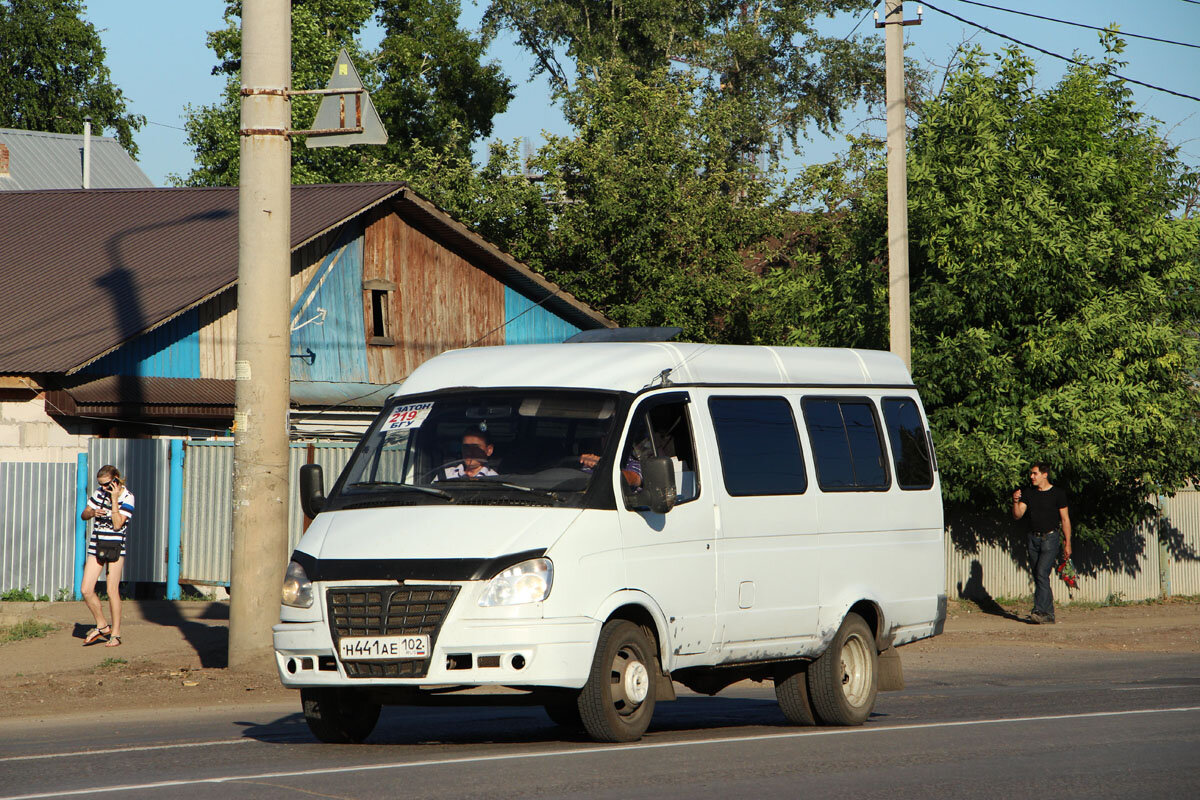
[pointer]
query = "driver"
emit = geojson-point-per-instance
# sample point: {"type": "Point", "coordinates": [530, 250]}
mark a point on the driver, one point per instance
{"type": "Point", "coordinates": [476, 449]}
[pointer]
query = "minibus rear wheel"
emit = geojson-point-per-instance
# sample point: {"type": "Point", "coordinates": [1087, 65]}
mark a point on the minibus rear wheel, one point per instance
{"type": "Point", "coordinates": [791, 690]}
{"type": "Point", "coordinates": [339, 716]}
{"type": "Point", "coordinates": [617, 701]}
{"type": "Point", "coordinates": [843, 682]}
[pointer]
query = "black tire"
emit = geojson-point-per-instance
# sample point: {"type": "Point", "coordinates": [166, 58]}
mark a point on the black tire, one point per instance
{"type": "Point", "coordinates": [791, 690]}
{"type": "Point", "coordinates": [563, 710]}
{"type": "Point", "coordinates": [339, 716]}
{"type": "Point", "coordinates": [843, 682]}
{"type": "Point", "coordinates": [617, 701]}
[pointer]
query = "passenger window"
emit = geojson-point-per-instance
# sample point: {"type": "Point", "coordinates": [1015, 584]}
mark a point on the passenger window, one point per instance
{"type": "Point", "coordinates": [846, 445]}
{"type": "Point", "coordinates": [659, 429]}
{"type": "Point", "coordinates": [909, 443]}
{"type": "Point", "coordinates": [759, 446]}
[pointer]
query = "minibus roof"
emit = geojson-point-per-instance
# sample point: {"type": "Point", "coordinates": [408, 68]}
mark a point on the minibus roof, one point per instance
{"type": "Point", "coordinates": [633, 366]}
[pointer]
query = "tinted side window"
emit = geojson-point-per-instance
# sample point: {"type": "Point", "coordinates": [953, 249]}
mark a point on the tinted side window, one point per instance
{"type": "Point", "coordinates": [831, 450]}
{"type": "Point", "coordinates": [759, 446]}
{"type": "Point", "coordinates": [910, 446]}
{"type": "Point", "coordinates": [846, 444]}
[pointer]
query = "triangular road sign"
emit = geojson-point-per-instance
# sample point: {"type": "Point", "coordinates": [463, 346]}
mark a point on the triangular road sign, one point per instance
{"type": "Point", "coordinates": [338, 110]}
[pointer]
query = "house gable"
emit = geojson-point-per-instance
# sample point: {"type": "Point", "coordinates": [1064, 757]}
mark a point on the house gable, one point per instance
{"type": "Point", "coordinates": [371, 301]}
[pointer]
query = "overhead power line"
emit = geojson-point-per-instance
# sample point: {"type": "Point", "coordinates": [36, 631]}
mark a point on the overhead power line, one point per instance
{"type": "Point", "coordinates": [165, 125]}
{"type": "Point", "coordinates": [861, 21]}
{"type": "Point", "coordinates": [1057, 55]}
{"type": "Point", "coordinates": [1123, 34]}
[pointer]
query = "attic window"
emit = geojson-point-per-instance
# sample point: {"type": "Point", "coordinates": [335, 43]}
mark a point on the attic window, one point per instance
{"type": "Point", "coordinates": [377, 298]}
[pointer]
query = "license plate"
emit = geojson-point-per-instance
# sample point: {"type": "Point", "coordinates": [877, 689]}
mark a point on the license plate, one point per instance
{"type": "Point", "coordinates": [369, 648]}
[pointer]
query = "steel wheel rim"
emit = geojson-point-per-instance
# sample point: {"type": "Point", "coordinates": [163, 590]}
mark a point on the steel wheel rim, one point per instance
{"type": "Point", "coordinates": [856, 671]}
{"type": "Point", "coordinates": [630, 680]}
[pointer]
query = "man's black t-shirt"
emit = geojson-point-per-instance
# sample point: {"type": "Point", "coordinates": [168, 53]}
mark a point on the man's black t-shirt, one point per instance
{"type": "Point", "coordinates": [1042, 508]}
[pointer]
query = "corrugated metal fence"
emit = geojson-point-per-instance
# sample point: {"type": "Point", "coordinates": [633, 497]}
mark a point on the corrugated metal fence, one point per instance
{"type": "Point", "coordinates": [1161, 556]}
{"type": "Point", "coordinates": [37, 527]}
{"type": "Point", "coordinates": [1179, 546]}
{"type": "Point", "coordinates": [206, 538]}
{"type": "Point", "coordinates": [144, 464]}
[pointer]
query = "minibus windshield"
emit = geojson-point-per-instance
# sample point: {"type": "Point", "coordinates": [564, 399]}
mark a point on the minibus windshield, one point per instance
{"type": "Point", "coordinates": [491, 447]}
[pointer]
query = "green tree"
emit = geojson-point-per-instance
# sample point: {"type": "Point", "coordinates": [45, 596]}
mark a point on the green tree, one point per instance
{"type": "Point", "coordinates": [55, 74]}
{"type": "Point", "coordinates": [638, 212]}
{"type": "Point", "coordinates": [1055, 296]}
{"type": "Point", "coordinates": [651, 222]}
{"type": "Point", "coordinates": [434, 86]}
{"type": "Point", "coordinates": [768, 57]}
{"type": "Point", "coordinates": [1054, 300]}
{"type": "Point", "coordinates": [425, 81]}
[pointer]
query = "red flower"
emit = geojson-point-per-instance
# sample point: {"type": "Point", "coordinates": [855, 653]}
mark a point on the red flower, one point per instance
{"type": "Point", "coordinates": [1066, 571]}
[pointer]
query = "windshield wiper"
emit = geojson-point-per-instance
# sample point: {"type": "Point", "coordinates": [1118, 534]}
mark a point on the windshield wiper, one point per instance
{"type": "Point", "coordinates": [485, 483]}
{"type": "Point", "coordinates": [408, 487]}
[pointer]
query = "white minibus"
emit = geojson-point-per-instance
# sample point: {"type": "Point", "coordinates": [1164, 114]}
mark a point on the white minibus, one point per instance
{"type": "Point", "coordinates": [582, 525]}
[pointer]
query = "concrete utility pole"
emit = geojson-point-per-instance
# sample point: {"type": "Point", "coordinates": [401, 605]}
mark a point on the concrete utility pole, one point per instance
{"type": "Point", "coordinates": [260, 455]}
{"type": "Point", "coordinates": [897, 174]}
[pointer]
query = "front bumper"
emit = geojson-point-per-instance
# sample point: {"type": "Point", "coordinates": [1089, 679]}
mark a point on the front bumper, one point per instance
{"type": "Point", "coordinates": [467, 652]}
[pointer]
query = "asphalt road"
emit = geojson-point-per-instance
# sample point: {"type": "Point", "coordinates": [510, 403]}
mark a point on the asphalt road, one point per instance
{"type": "Point", "coordinates": [1077, 725]}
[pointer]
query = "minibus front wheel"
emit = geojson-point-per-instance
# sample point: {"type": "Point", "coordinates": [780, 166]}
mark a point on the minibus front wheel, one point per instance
{"type": "Point", "coordinates": [339, 716]}
{"type": "Point", "coordinates": [843, 682]}
{"type": "Point", "coordinates": [617, 701]}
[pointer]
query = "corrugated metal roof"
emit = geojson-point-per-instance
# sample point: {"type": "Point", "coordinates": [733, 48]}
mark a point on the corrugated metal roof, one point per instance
{"type": "Point", "coordinates": [155, 391]}
{"type": "Point", "coordinates": [86, 271]}
{"type": "Point", "coordinates": [40, 160]}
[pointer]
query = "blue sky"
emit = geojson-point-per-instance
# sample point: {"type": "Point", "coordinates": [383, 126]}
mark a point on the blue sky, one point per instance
{"type": "Point", "coordinates": [157, 54]}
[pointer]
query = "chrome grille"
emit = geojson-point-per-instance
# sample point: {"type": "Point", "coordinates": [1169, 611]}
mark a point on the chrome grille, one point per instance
{"type": "Point", "coordinates": [388, 611]}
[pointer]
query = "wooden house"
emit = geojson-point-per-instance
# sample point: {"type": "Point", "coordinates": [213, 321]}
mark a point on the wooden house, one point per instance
{"type": "Point", "coordinates": [120, 314]}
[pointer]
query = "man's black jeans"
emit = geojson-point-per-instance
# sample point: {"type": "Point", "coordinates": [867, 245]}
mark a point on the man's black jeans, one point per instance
{"type": "Point", "coordinates": [1043, 554]}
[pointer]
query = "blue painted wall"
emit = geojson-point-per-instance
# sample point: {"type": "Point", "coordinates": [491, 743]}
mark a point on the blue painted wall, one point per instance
{"type": "Point", "coordinates": [169, 351]}
{"type": "Point", "coordinates": [334, 350]}
{"type": "Point", "coordinates": [536, 325]}
{"type": "Point", "coordinates": [339, 344]}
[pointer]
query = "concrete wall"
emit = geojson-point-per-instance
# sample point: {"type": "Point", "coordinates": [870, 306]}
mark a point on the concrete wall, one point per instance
{"type": "Point", "coordinates": [28, 433]}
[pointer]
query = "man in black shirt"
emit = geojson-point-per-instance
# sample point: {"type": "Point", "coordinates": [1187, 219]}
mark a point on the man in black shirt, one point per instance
{"type": "Point", "coordinates": [1044, 507]}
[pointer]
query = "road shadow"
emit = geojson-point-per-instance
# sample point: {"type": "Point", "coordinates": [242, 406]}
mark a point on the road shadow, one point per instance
{"type": "Point", "coordinates": [974, 591]}
{"type": "Point", "coordinates": [476, 725]}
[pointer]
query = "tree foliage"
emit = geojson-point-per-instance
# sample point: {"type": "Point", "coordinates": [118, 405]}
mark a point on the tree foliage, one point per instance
{"type": "Point", "coordinates": [1056, 296]}
{"type": "Point", "coordinates": [768, 57]}
{"type": "Point", "coordinates": [425, 81]}
{"type": "Point", "coordinates": [1054, 287]}
{"type": "Point", "coordinates": [638, 212]}
{"type": "Point", "coordinates": [652, 221]}
{"type": "Point", "coordinates": [54, 73]}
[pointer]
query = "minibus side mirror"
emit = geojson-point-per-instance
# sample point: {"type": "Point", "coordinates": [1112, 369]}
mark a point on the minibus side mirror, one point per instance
{"type": "Point", "coordinates": [658, 484]}
{"type": "Point", "coordinates": [312, 489]}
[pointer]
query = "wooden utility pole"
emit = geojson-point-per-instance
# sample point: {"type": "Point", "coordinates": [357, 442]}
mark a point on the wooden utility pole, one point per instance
{"type": "Point", "coordinates": [897, 176]}
{"type": "Point", "coordinates": [260, 455]}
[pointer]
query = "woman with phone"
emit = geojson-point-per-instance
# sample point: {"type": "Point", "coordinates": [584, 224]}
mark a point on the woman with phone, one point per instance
{"type": "Point", "coordinates": [111, 507]}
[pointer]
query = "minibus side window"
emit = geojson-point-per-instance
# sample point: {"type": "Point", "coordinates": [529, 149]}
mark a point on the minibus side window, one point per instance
{"type": "Point", "coordinates": [759, 446]}
{"type": "Point", "coordinates": [846, 444]}
{"type": "Point", "coordinates": [661, 429]}
{"type": "Point", "coordinates": [909, 443]}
